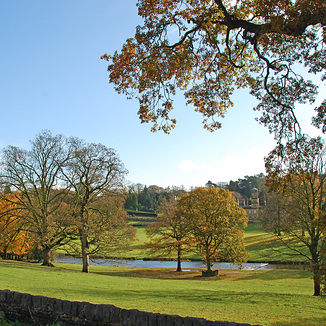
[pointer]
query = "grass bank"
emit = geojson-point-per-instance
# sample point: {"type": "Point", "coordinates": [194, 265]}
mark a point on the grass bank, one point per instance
{"type": "Point", "coordinates": [266, 297]}
{"type": "Point", "coordinates": [262, 246]}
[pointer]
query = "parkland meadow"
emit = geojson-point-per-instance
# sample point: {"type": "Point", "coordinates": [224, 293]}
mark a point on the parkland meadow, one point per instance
{"type": "Point", "coordinates": [262, 247]}
{"type": "Point", "coordinates": [265, 297]}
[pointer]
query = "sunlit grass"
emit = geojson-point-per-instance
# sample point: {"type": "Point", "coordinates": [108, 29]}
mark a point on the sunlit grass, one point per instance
{"type": "Point", "coordinates": [262, 246]}
{"type": "Point", "coordinates": [266, 297]}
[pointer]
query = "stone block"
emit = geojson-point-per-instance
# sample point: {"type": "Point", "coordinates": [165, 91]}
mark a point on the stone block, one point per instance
{"type": "Point", "coordinates": [9, 297]}
{"type": "Point", "coordinates": [58, 306]}
{"type": "Point", "coordinates": [17, 299]}
{"type": "Point", "coordinates": [133, 316]}
{"type": "Point", "coordinates": [115, 315]}
{"type": "Point", "coordinates": [66, 307]}
{"type": "Point", "coordinates": [103, 312]}
{"type": "Point", "coordinates": [27, 301]}
{"type": "Point", "coordinates": [178, 321]}
{"type": "Point", "coordinates": [74, 308]}
{"type": "Point", "coordinates": [142, 319]}
{"type": "Point", "coordinates": [51, 305]}
{"type": "Point", "coordinates": [37, 302]}
{"type": "Point", "coordinates": [81, 310]}
{"type": "Point", "coordinates": [44, 304]}
{"type": "Point", "coordinates": [89, 311]}
{"type": "Point", "coordinates": [161, 320]}
{"type": "Point", "coordinates": [170, 320]}
{"type": "Point", "coordinates": [3, 296]}
{"type": "Point", "coordinates": [188, 321]}
{"type": "Point", "coordinates": [124, 317]}
{"type": "Point", "coordinates": [199, 322]}
{"type": "Point", "coordinates": [152, 319]}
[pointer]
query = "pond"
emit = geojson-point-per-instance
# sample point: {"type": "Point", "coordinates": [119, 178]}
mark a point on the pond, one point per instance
{"type": "Point", "coordinates": [173, 264]}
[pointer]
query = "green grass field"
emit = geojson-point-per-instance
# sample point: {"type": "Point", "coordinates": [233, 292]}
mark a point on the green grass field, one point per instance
{"type": "Point", "coordinates": [266, 297]}
{"type": "Point", "coordinates": [262, 246]}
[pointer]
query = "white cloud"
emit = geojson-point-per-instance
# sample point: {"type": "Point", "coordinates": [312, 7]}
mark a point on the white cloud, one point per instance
{"type": "Point", "coordinates": [230, 167]}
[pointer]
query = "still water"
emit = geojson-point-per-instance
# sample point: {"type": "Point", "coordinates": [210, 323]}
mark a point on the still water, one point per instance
{"type": "Point", "coordinates": [173, 264]}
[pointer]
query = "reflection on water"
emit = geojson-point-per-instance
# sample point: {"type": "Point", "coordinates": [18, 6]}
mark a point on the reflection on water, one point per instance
{"type": "Point", "coordinates": [173, 264]}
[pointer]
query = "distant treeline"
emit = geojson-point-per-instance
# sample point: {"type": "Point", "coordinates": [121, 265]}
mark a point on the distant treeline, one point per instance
{"type": "Point", "coordinates": [144, 198]}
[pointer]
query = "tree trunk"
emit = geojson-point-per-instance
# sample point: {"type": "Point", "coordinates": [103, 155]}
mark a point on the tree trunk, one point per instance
{"type": "Point", "coordinates": [179, 259]}
{"type": "Point", "coordinates": [315, 265]}
{"type": "Point", "coordinates": [279, 221]}
{"type": "Point", "coordinates": [85, 263]}
{"type": "Point", "coordinates": [316, 287]}
{"type": "Point", "coordinates": [208, 260]}
{"type": "Point", "coordinates": [85, 256]}
{"type": "Point", "coordinates": [46, 254]}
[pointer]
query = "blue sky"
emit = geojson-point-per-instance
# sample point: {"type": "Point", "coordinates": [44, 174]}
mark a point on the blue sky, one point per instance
{"type": "Point", "coordinates": [51, 77]}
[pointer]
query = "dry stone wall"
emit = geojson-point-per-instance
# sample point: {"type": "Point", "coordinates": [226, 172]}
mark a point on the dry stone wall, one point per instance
{"type": "Point", "coordinates": [39, 310]}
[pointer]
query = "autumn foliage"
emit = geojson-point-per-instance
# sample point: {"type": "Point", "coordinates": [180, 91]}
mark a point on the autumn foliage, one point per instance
{"type": "Point", "coordinates": [207, 49]}
{"type": "Point", "coordinates": [300, 180]}
{"type": "Point", "coordinates": [14, 237]}
{"type": "Point", "coordinates": [206, 221]}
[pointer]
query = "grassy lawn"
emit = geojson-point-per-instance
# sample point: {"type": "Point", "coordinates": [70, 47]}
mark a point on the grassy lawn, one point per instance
{"type": "Point", "coordinates": [262, 246]}
{"type": "Point", "coordinates": [266, 297]}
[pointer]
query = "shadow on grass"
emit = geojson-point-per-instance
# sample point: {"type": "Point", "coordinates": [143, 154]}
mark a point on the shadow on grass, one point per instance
{"type": "Point", "coordinates": [196, 275]}
{"type": "Point", "coordinates": [275, 275]}
{"type": "Point", "coordinates": [156, 273]}
{"type": "Point", "coordinates": [302, 322]}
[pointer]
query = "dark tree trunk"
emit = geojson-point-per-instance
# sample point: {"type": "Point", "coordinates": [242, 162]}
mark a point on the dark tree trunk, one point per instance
{"type": "Point", "coordinates": [46, 254]}
{"type": "Point", "coordinates": [179, 259]}
{"type": "Point", "coordinates": [315, 264]}
{"type": "Point", "coordinates": [84, 237]}
{"type": "Point", "coordinates": [208, 259]}
{"type": "Point", "coordinates": [85, 255]}
{"type": "Point", "coordinates": [316, 287]}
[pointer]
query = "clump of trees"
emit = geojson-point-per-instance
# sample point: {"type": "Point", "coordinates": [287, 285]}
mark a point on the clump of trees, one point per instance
{"type": "Point", "coordinates": [206, 220]}
{"type": "Point", "coordinates": [242, 188]}
{"type": "Point", "coordinates": [149, 198]}
{"type": "Point", "coordinates": [296, 207]}
{"type": "Point", "coordinates": [61, 190]}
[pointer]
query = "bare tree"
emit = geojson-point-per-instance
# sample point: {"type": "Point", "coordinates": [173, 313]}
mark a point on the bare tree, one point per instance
{"type": "Point", "coordinates": [34, 177]}
{"type": "Point", "coordinates": [301, 180]}
{"type": "Point", "coordinates": [94, 170]}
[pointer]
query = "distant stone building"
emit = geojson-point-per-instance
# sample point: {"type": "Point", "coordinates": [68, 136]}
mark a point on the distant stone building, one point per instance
{"type": "Point", "coordinates": [252, 206]}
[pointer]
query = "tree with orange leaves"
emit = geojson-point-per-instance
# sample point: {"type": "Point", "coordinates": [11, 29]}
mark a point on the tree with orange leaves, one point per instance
{"type": "Point", "coordinates": [34, 177]}
{"type": "Point", "coordinates": [14, 238]}
{"type": "Point", "coordinates": [207, 49]}
{"type": "Point", "coordinates": [215, 218]}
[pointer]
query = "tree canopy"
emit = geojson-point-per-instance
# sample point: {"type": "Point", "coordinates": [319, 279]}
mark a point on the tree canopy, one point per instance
{"type": "Point", "coordinates": [34, 178]}
{"type": "Point", "coordinates": [207, 49]}
{"type": "Point", "coordinates": [171, 234]}
{"type": "Point", "coordinates": [301, 180]}
{"type": "Point", "coordinates": [215, 218]}
{"type": "Point", "coordinates": [60, 190]}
